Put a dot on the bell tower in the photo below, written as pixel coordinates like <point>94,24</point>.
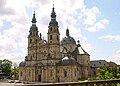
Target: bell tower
<point>33,38</point>
<point>53,31</point>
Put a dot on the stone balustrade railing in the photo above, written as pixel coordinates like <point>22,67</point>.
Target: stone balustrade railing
<point>89,83</point>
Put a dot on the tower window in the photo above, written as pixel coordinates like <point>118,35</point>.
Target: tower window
<point>50,29</point>
<point>50,37</point>
<point>57,37</point>
<point>57,29</point>
<point>30,40</point>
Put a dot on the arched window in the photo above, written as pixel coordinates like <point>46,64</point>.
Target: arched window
<point>65,73</point>
<point>51,29</point>
<point>50,37</point>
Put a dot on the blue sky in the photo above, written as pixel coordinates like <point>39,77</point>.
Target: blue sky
<point>94,22</point>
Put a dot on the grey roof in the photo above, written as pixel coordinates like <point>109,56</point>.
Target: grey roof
<point>67,62</point>
<point>53,23</point>
<point>53,18</point>
<point>33,27</point>
<point>22,64</point>
<point>97,63</point>
<point>68,40</point>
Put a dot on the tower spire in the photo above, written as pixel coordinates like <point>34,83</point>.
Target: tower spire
<point>34,19</point>
<point>53,17</point>
<point>33,27</point>
<point>67,32</point>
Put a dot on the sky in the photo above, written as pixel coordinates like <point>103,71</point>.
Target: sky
<point>94,22</point>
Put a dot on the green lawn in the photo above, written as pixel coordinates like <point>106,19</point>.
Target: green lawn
<point>118,84</point>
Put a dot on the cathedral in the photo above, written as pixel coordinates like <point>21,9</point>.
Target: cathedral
<point>53,60</point>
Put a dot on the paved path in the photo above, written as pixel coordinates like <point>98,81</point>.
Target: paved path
<point>9,84</point>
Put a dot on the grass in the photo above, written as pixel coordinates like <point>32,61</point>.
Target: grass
<point>118,84</point>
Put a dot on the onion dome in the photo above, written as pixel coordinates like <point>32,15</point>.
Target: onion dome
<point>33,27</point>
<point>22,64</point>
<point>53,17</point>
<point>68,39</point>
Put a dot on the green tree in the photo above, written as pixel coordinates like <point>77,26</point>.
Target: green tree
<point>5,66</point>
<point>15,70</point>
<point>106,72</point>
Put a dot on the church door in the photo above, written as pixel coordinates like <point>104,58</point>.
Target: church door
<point>58,79</point>
<point>39,78</point>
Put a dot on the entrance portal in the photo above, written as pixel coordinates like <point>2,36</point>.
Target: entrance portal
<point>39,78</point>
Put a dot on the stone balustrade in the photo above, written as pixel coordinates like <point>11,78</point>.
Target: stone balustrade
<point>88,83</point>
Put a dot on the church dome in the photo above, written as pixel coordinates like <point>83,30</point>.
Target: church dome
<point>22,64</point>
<point>68,40</point>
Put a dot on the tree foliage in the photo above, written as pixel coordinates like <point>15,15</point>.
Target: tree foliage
<point>106,72</point>
<point>5,66</point>
<point>9,68</point>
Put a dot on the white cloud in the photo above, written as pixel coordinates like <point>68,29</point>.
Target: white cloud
<point>115,57</point>
<point>113,38</point>
<point>89,16</point>
<point>97,26</point>
<point>4,9</point>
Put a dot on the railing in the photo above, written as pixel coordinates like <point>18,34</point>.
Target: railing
<point>89,83</point>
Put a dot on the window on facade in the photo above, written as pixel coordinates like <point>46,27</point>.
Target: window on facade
<point>51,73</point>
<point>30,40</point>
<point>50,37</point>
<point>36,40</point>
<point>65,73</point>
<point>36,33</point>
<point>57,37</point>
<point>51,29</point>
<point>57,29</point>
<point>29,72</point>
<point>58,79</point>
<point>21,73</point>
<point>94,73</point>
<point>75,72</point>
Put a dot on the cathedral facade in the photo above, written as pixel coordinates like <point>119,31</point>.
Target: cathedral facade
<point>53,60</point>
